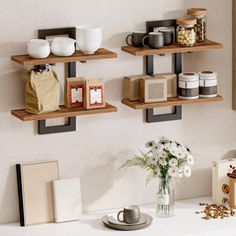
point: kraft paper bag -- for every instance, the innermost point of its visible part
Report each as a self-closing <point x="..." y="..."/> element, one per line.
<point x="42" y="92"/>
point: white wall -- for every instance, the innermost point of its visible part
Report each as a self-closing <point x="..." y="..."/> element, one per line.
<point x="101" y="143"/>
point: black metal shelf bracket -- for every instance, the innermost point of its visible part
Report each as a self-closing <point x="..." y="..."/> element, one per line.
<point x="177" y="114"/>
<point x="71" y="126"/>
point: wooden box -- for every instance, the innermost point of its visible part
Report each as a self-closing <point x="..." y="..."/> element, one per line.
<point x="153" y="90"/>
<point x="171" y="83"/>
<point x="232" y="193"/>
<point x="75" y="92"/>
<point x="220" y="181"/>
<point x="131" y="87"/>
<point x="94" y="94"/>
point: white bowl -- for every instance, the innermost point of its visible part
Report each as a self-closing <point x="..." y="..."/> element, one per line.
<point x="87" y="47"/>
<point x="88" y="28"/>
<point x="63" y="46"/>
<point x="38" y="48"/>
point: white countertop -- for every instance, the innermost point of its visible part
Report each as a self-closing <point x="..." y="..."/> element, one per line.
<point x="184" y="223"/>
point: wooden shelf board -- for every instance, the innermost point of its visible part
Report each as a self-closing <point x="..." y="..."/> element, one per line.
<point x="63" y="112"/>
<point x="204" y="46"/>
<point x="170" y="102"/>
<point x="102" y="53"/>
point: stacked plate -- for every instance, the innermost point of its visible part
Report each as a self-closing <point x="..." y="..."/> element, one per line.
<point x="112" y="222"/>
<point x="88" y="38"/>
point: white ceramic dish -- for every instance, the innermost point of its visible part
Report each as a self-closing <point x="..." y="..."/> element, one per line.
<point x="62" y="46"/>
<point x="127" y="227"/>
<point x="38" y="48"/>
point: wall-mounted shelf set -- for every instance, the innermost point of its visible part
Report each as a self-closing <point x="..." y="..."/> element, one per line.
<point x="71" y="113"/>
<point x="103" y="53"/>
<point x="177" y="52"/>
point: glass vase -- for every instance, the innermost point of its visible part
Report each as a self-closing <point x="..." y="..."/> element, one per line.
<point x="165" y="199"/>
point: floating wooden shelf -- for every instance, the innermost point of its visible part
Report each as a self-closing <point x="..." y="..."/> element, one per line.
<point x="171" y="102"/>
<point x="205" y="46"/>
<point x="102" y="53"/>
<point x="63" y="112"/>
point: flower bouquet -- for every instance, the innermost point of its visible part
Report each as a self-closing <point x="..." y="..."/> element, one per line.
<point x="167" y="160"/>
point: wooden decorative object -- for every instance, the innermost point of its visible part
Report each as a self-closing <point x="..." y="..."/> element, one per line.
<point x="94" y="94"/>
<point x="220" y="181"/>
<point x="75" y="92"/>
<point x="171" y="83"/>
<point x="132" y="87"/>
<point x="153" y="90"/>
<point x="232" y="193"/>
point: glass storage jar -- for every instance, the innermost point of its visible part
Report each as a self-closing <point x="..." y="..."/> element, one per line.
<point x="201" y="27"/>
<point x="186" y="35"/>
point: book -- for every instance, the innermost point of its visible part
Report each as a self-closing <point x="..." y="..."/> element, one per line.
<point x="35" y="195"/>
<point x="67" y="200"/>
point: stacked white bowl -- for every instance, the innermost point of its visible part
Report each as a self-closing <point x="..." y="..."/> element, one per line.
<point x="89" y="39"/>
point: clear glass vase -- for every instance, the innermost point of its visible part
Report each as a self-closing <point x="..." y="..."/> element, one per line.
<point x="165" y="199"/>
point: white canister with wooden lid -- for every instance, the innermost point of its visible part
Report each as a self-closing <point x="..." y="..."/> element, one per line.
<point x="188" y="86"/>
<point x="208" y="84"/>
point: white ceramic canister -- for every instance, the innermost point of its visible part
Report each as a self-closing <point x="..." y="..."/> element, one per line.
<point x="188" y="86"/>
<point x="208" y="84"/>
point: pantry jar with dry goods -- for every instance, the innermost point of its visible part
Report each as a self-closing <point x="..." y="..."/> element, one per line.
<point x="208" y="84"/>
<point x="188" y="86"/>
<point x="186" y="34"/>
<point x="201" y="27"/>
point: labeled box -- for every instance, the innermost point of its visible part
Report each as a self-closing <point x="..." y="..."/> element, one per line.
<point x="94" y="94"/>
<point x="220" y="181"/>
<point x="75" y="92"/>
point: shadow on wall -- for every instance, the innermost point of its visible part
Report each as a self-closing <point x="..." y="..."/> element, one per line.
<point x="192" y="188"/>
<point x="99" y="178"/>
<point x="9" y="195"/>
<point x="11" y="76"/>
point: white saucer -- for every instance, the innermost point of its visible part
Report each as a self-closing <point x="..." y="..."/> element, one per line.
<point x="127" y="227"/>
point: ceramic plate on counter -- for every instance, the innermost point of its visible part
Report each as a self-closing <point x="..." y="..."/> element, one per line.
<point x="126" y="227"/>
<point x="113" y="220"/>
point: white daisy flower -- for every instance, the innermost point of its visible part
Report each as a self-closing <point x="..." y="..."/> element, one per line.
<point x="190" y="159"/>
<point x="163" y="162"/>
<point x="152" y="160"/>
<point x="151" y="144"/>
<point x="180" y="153"/>
<point x="173" y="162"/>
<point x="187" y="171"/>
<point x="162" y="154"/>
<point x="173" y="171"/>
<point x="164" y="140"/>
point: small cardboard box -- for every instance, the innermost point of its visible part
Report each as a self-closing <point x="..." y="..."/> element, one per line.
<point x="131" y="90"/>
<point x="232" y="193"/>
<point x="95" y="97"/>
<point x="75" y="92"/>
<point x="220" y="181"/>
<point x="171" y="83"/>
<point x="153" y="90"/>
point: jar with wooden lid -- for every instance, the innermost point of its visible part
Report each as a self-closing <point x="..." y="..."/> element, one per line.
<point x="201" y="27"/>
<point x="188" y="86"/>
<point x="186" y="35"/>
